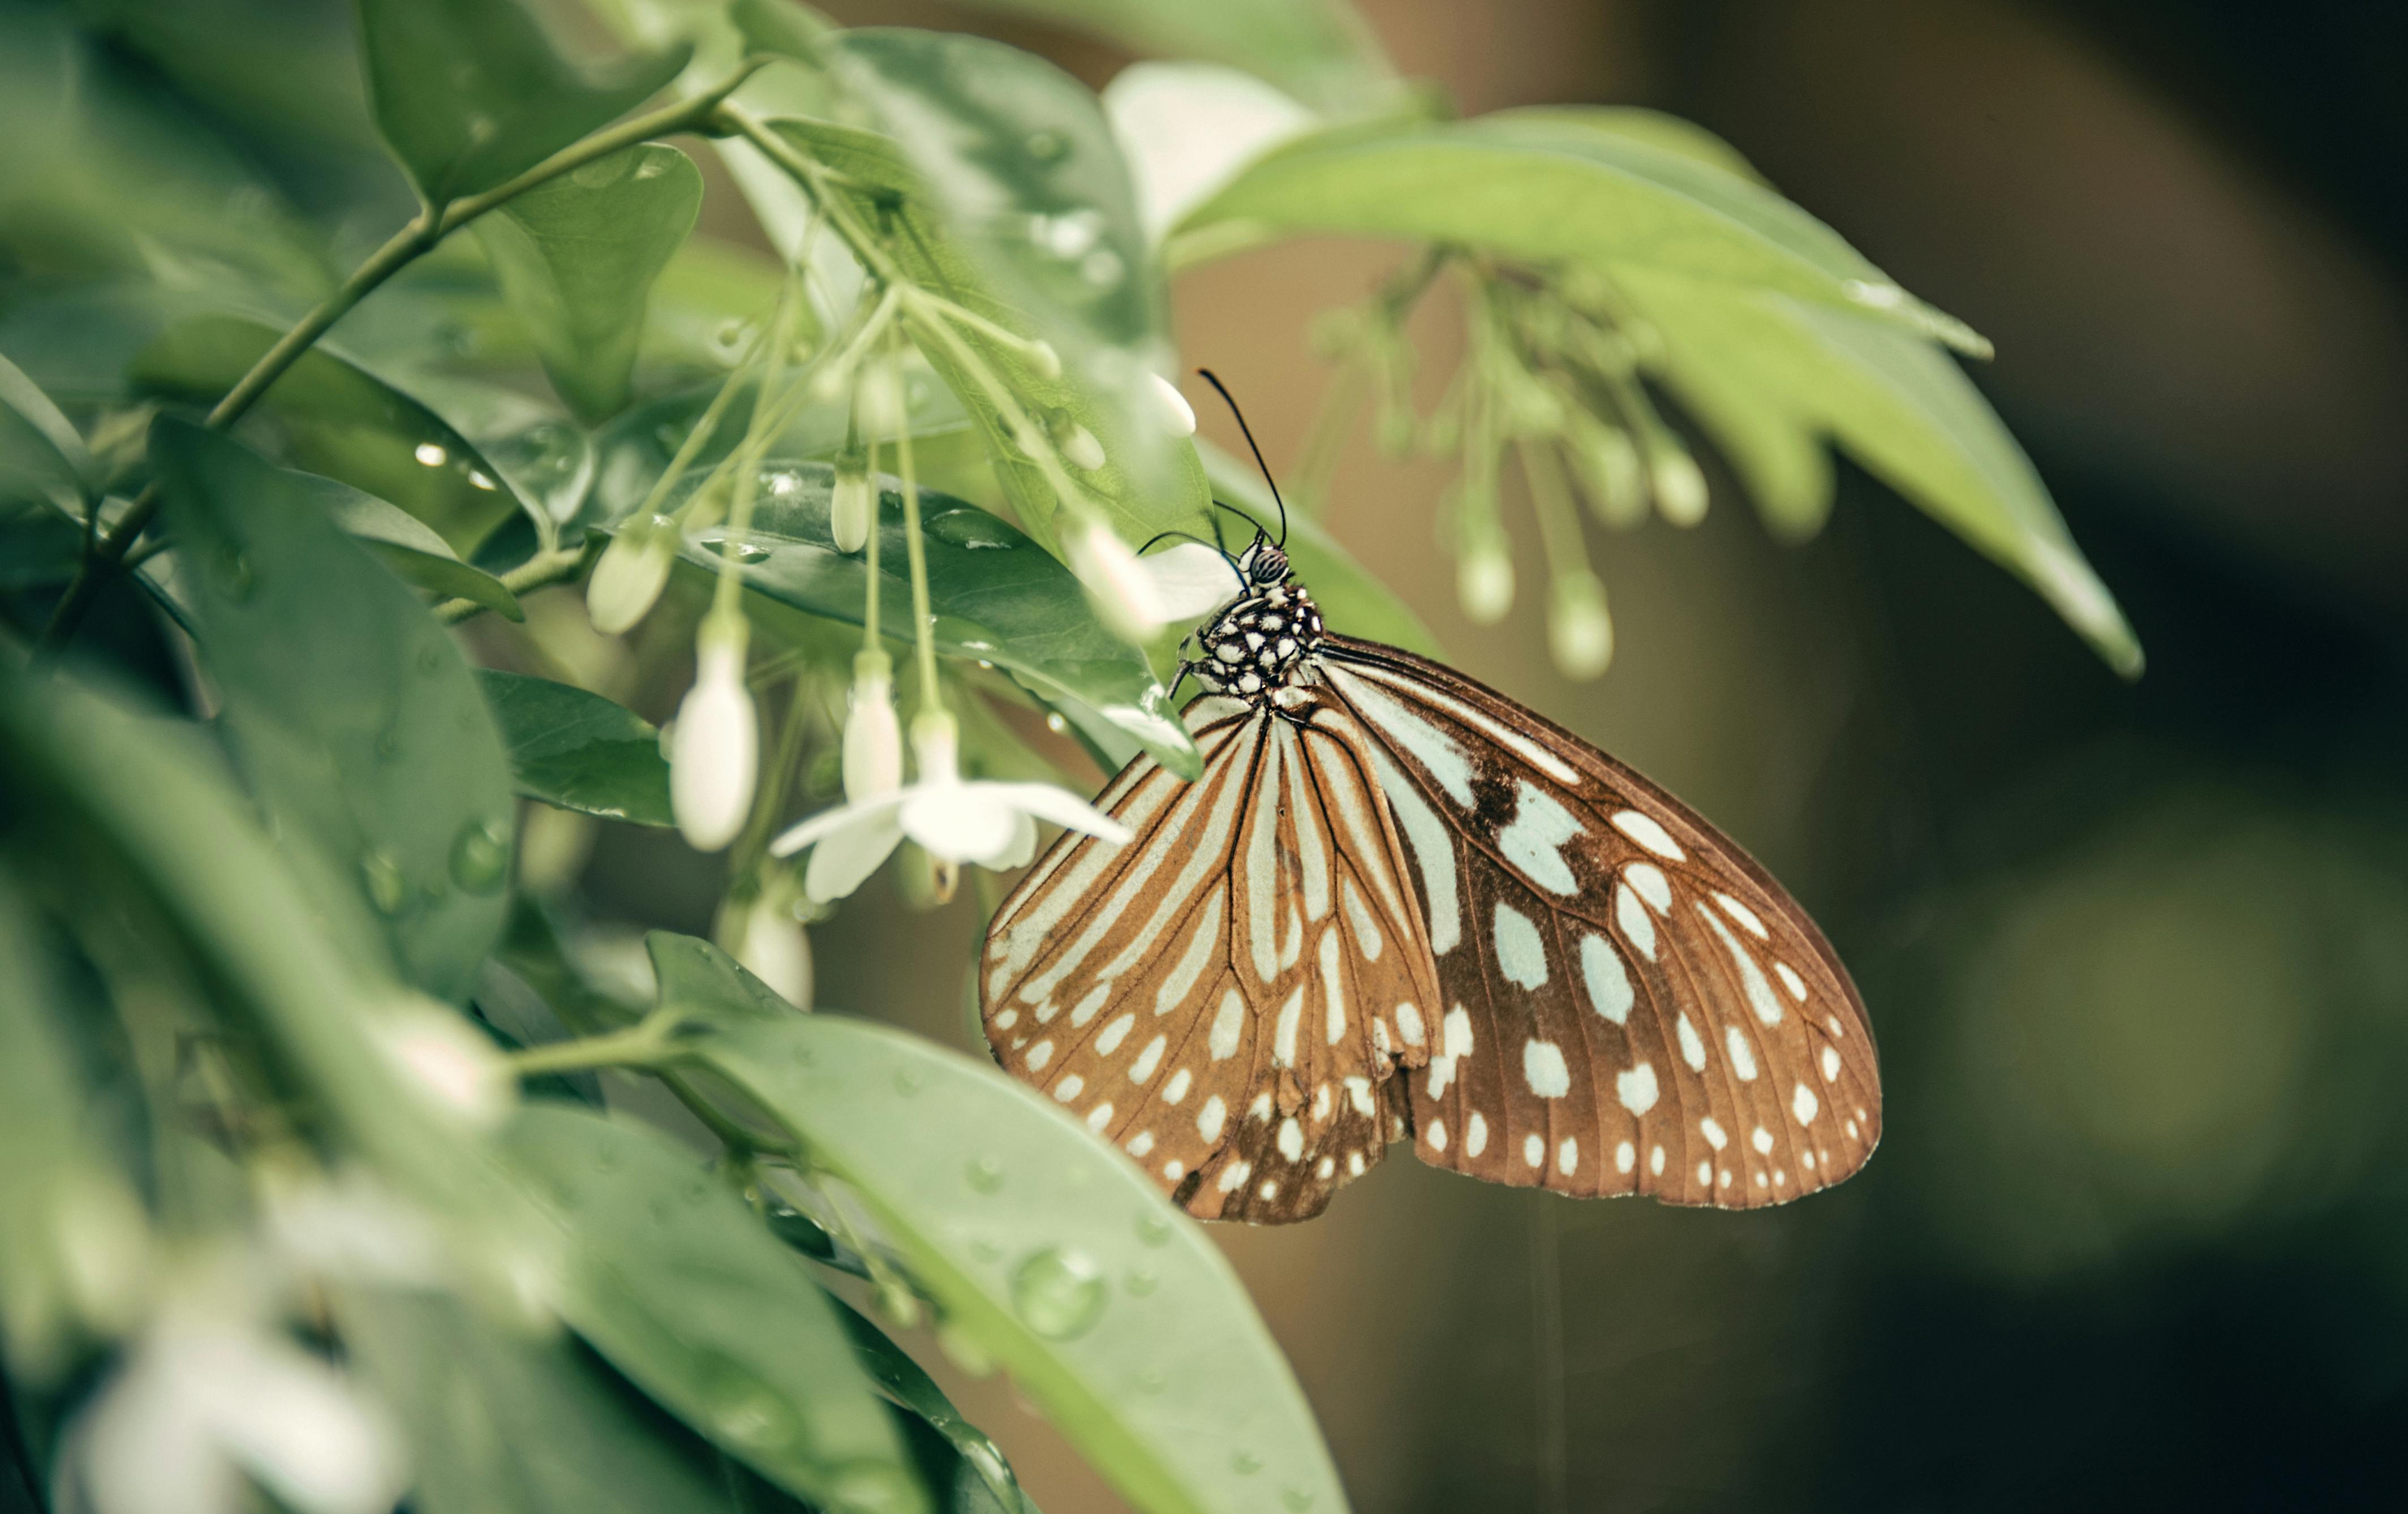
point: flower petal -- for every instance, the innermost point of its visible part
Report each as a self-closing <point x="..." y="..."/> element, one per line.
<point x="960" y="821"/>
<point x="1191" y="580"/>
<point x="1021" y="851"/>
<point x="1062" y="808"/>
<point x="847" y="854"/>
<point x="829" y="821"/>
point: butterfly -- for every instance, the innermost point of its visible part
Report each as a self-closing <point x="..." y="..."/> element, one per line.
<point x="1399" y="906"/>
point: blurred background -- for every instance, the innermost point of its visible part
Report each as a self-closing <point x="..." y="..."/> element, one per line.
<point x="2137" y="954"/>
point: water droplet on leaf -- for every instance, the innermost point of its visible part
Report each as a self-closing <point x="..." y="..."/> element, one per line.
<point x="1046" y="147"/>
<point x="909" y="1081"/>
<point x="481" y="857"/>
<point x="985" y="1174"/>
<point x="387" y="889"/>
<point x="1153" y="1229"/>
<point x="1059" y="1293"/>
<point x="1296" y="1499"/>
<point x="1141" y="1281"/>
<point x="1245" y="1463"/>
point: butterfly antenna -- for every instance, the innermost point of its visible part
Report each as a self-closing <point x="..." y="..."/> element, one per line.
<point x="1248" y="432"/>
<point x="1216" y="544"/>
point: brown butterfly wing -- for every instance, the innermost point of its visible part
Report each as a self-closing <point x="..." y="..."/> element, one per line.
<point x="1228" y="996"/>
<point x="1631" y="1004"/>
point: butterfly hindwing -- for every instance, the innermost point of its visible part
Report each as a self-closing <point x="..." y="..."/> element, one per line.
<point x="1228" y="996"/>
<point x="1630" y="1002"/>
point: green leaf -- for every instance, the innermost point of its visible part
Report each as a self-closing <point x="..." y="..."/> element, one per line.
<point x="42" y="455"/>
<point x="113" y="798"/>
<point x="1322" y="51"/>
<point x="497" y="1421"/>
<point x="1770" y="377"/>
<point x="72" y="1233"/>
<point x="355" y="719"/>
<point x="470" y="93"/>
<point x="334" y="415"/>
<point x="1053" y="1254"/>
<point x="578" y="750"/>
<point x="1547" y="187"/>
<point x="1025" y="173"/>
<point x="1353" y="602"/>
<point x="405" y="545"/>
<point x="1101" y="389"/>
<point x="633" y="451"/>
<point x="691" y="972"/>
<point x="998" y="596"/>
<point x="577" y="257"/>
<point x="678" y="1284"/>
<point x="907" y="1385"/>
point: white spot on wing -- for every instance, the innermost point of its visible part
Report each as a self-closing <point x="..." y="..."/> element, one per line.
<point x="1637" y="926"/>
<point x="1751" y="976"/>
<point x="1176" y="1090"/>
<point x="1637" y="1088"/>
<point x="1693" y="1046"/>
<point x="1534" y="842"/>
<point x="1475" y="1135"/>
<point x="1109" y="1040"/>
<point x="1742" y="1056"/>
<point x="1790" y="981"/>
<point x="1521" y="955"/>
<point x="1409" y="1020"/>
<point x="1715" y="1136"/>
<point x="1530" y="752"/>
<point x="1283" y="1039"/>
<point x="1333" y="986"/>
<point x="1228" y="1023"/>
<point x="1039" y="1055"/>
<point x="1432" y="749"/>
<point x="1201" y="945"/>
<point x="1291" y="1139"/>
<point x="1830" y="1064"/>
<point x="1625" y="1156"/>
<point x="1212" y="1117"/>
<point x="1099" y="1117"/>
<point x="1433" y="851"/>
<point x="1803" y="1104"/>
<point x="1543" y="1069"/>
<point x="1533" y="1150"/>
<point x="1761" y="1139"/>
<point x="1068" y="1087"/>
<point x="1358" y="917"/>
<point x="1436" y="1135"/>
<point x="1746" y="918"/>
<point x="1454" y="1042"/>
<point x="1651" y="884"/>
<point x="1644" y="830"/>
<point x="1567" y="1156"/>
<point x="1608" y="979"/>
<point x="1147" y="1060"/>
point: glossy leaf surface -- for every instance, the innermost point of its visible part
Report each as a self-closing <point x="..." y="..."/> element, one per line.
<point x="577" y="258"/>
<point x="1051" y="1251"/>
<point x="678" y="1284"/>
<point x="353" y="714"/>
<point x="577" y="751"/>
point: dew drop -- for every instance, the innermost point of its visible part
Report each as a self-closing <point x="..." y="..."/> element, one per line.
<point x="1152" y="1380"/>
<point x="1141" y="1281"/>
<point x="743" y="551"/>
<point x="986" y="1251"/>
<point x="387" y="889"/>
<point x="1059" y="1293"/>
<point x="235" y="579"/>
<point x="481" y="857"/>
<point x="1245" y="1463"/>
<point x="985" y="1174"/>
<point x="1296" y="1499"/>
<point x="909" y="1081"/>
<point x="1153" y="1229"/>
<point x="1046" y="147"/>
<point x="867" y="1489"/>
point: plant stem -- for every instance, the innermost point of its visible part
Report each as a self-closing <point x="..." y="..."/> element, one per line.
<point x="916" y="553"/>
<point x="648" y="1044"/>
<point x="540" y="571"/>
<point x="406" y="247"/>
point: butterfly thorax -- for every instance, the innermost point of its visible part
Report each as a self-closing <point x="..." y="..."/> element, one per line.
<point x="1254" y="646"/>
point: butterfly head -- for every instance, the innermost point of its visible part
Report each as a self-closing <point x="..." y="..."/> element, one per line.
<point x="1257" y="645"/>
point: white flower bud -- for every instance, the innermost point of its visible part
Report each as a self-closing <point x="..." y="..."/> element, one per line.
<point x="851" y="507"/>
<point x="1680" y="486"/>
<point x="714" y="752"/>
<point x="935" y="746"/>
<point x="1122" y="593"/>
<point x="451" y="1063"/>
<point x="628" y="579"/>
<point x="1080" y="446"/>
<point x="873" y="738"/>
<point x="1484" y="581"/>
<point x="776" y="948"/>
<point x="878" y="401"/>
<point x="1177" y="417"/>
<point x="1046" y="362"/>
<point x="1579" y="631"/>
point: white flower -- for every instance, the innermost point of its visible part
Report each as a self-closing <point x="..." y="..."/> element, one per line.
<point x="714" y="754"/>
<point x="1579" y="631"/>
<point x="1178" y="416"/>
<point x="1191" y="580"/>
<point x="207" y="1399"/>
<point x="873" y="738"/>
<point x="628" y="578"/>
<point x="1484" y="582"/>
<point x="1080" y="446"/>
<point x="991" y="825"/>
<point x="1124" y="595"/>
<point x="775" y="948"/>
<point x="852" y="504"/>
<point x="1680" y="487"/>
<point x="451" y="1061"/>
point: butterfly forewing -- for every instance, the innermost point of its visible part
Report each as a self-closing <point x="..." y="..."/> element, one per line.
<point x="1226" y="997"/>
<point x="1630" y="1002"/>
